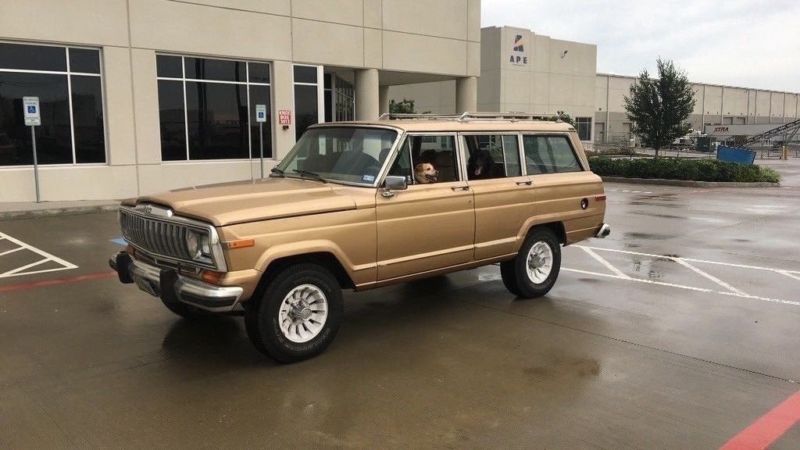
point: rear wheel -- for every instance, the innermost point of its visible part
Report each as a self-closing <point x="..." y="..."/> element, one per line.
<point x="298" y="315"/>
<point x="533" y="272"/>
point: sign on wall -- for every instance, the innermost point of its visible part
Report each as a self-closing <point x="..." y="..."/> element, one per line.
<point x="285" y="117"/>
<point x="519" y="55"/>
<point x="261" y="113"/>
<point x="30" y="109"/>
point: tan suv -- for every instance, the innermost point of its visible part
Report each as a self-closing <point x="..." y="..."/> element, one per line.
<point x="360" y="205"/>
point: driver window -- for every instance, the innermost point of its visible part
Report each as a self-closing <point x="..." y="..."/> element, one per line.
<point x="427" y="159"/>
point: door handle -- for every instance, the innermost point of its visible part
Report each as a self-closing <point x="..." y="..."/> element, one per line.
<point x="524" y="183"/>
<point x="459" y="188"/>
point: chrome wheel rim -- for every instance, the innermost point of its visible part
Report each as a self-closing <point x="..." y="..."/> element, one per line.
<point x="303" y="313"/>
<point x="539" y="263"/>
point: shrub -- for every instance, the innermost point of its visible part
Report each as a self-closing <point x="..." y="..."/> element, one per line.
<point x="682" y="169"/>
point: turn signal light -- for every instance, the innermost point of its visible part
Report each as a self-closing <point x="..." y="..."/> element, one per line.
<point x="210" y="276"/>
<point x="241" y="243"/>
<point x="600" y="198"/>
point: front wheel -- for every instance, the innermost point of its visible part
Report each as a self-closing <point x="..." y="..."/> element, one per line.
<point x="533" y="272"/>
<point x="299" y="314"/>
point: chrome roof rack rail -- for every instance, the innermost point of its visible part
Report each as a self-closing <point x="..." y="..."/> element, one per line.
<point x="512" y="116"/>
<point x="428" y="116"/>
<point x="463" y="117"/>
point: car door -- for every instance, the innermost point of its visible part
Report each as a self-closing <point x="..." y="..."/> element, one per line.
<point x="565" y="189"/>
<point x="430" y="225"/>
<point x="503" y="194"/>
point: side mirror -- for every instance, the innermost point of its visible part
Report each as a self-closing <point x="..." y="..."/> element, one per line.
<point x="394" y="183"/>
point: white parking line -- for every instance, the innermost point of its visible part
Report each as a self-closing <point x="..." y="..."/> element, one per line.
<point x="731" y="291"/>
<point x="46" y="257"/>
<point x="788" y="274"/>
<point x="707" y="275"/>
<point x="11" y="251"/>
<point x="602" y="261"/>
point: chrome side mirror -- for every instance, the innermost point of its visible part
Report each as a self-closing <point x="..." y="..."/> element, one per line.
<point x="394" y="183"/>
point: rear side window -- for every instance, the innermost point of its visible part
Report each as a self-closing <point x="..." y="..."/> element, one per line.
<point x="492" y="156"/>
<point x="549" y="154"/>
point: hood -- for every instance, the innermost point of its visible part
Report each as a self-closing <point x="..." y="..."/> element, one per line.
<point x="247" y="201"/>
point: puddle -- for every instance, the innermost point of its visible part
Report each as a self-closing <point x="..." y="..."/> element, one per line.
<point x="648" y="236"/>
<point x="662" y="216"/>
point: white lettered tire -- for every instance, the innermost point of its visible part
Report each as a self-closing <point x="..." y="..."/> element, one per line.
<point x="533" y="272"/>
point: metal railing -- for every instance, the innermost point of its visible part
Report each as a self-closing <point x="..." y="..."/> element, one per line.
<point x="466" y="116"/>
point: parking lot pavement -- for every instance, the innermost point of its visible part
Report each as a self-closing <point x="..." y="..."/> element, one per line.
<point x="678" y="331"/>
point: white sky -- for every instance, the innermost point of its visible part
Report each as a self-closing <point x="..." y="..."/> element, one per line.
<point x="745" y="43"/>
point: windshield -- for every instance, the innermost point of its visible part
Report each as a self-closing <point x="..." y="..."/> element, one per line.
<point x="349" y="154"/>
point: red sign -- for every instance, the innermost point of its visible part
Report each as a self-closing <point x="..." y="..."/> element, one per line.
<point x="285" y="117"/>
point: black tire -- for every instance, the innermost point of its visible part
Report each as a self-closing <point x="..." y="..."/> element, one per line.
<point x="262" y="318"/>
<point x="515" y="272"/>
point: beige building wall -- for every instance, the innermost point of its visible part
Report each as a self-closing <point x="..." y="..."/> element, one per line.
<point x="547" y="76"/>
<point x="405" y="40"/>
<point x="715" y="105"/>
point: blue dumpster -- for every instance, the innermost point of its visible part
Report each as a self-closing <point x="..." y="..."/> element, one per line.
<point x="736" y="155"/>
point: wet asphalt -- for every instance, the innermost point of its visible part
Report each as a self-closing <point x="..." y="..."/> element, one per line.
<point x="651" y="354"/>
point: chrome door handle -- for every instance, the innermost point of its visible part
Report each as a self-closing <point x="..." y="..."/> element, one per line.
<point x="524" y="183"/>
<point x="460" y="188"/>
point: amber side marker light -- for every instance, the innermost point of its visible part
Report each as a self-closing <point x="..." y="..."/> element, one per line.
<point x="210" y="276"/>
<point x="241" y="243"/>
<point x="600" y="198"/>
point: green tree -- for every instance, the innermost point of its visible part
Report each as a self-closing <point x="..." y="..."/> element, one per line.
<point x="658" y="108"/>
<point x="404" y="107"/>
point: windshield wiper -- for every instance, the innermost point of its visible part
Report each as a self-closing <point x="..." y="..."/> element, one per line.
<point x="277" y="171"/>
<point x="306" y="173"/>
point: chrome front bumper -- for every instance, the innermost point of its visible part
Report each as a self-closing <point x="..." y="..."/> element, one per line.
<point x="171" y="287"/>
<point x="604" y="231"/>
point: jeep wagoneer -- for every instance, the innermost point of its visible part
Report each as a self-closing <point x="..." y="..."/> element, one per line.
<point x="359" y="205"/>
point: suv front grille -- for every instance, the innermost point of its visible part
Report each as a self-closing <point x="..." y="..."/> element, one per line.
<point x="163" y="238"/>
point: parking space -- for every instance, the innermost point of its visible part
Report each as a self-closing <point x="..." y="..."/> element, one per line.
<point x="678" y="331"/>
<point x="18" y="258"/>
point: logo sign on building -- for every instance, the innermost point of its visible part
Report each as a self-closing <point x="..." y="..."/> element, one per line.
<point x="518" y="54"/>
<point x="261" y="113"/>
<point x="30" y="109"/>
<point x="285" y="117"/>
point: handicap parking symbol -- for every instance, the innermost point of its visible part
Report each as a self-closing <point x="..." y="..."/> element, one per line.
<point x="31" y="109"/>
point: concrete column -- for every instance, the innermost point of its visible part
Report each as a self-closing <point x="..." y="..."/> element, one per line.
<point x="466" y="94"/>
<point x="367" y="96"/>
<point x="383" y="99"/>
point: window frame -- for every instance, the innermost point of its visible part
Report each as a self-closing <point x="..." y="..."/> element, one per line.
<point x="459" y="162"/>
<point x="567" y="136"/>
<point x="584" y="121"/>
<point x="68" y="73"/>
<point x="247" y="83"/>
<point x="520" y="152"/>
<point x="320" y="85"/>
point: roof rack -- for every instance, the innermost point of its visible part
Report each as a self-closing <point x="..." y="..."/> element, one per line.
<point x="512" y="116"/>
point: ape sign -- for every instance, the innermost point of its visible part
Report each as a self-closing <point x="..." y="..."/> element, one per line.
<point x="518" y="55"/>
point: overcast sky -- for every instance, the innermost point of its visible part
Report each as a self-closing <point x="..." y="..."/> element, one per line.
<point x="734" y="42"/>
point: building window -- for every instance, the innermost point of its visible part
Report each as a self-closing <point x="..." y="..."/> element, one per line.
<point x="68" y="82"/>
<point x="584" y="127"/>
<point x="307" y="98"/>
<point x="207" y="108"/>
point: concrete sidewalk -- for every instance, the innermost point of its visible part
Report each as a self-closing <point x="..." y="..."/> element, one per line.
<point x="26" y="210"/>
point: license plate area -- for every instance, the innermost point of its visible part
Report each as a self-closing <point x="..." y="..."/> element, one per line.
<point x="147" y="286"/>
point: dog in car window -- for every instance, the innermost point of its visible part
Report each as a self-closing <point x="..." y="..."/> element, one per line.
<point x="425" y="173"/>
<point x="480" y="165"/>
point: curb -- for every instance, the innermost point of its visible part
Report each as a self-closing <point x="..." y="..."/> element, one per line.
<point x="689" y="183"/>
<point x="65" y="211"/>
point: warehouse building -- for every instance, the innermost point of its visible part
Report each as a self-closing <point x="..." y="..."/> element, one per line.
<point x="525" y="71"/>
<point x="715" y="105"/>
<point x="140" y="96"/>
<point x="522" y="71"/>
